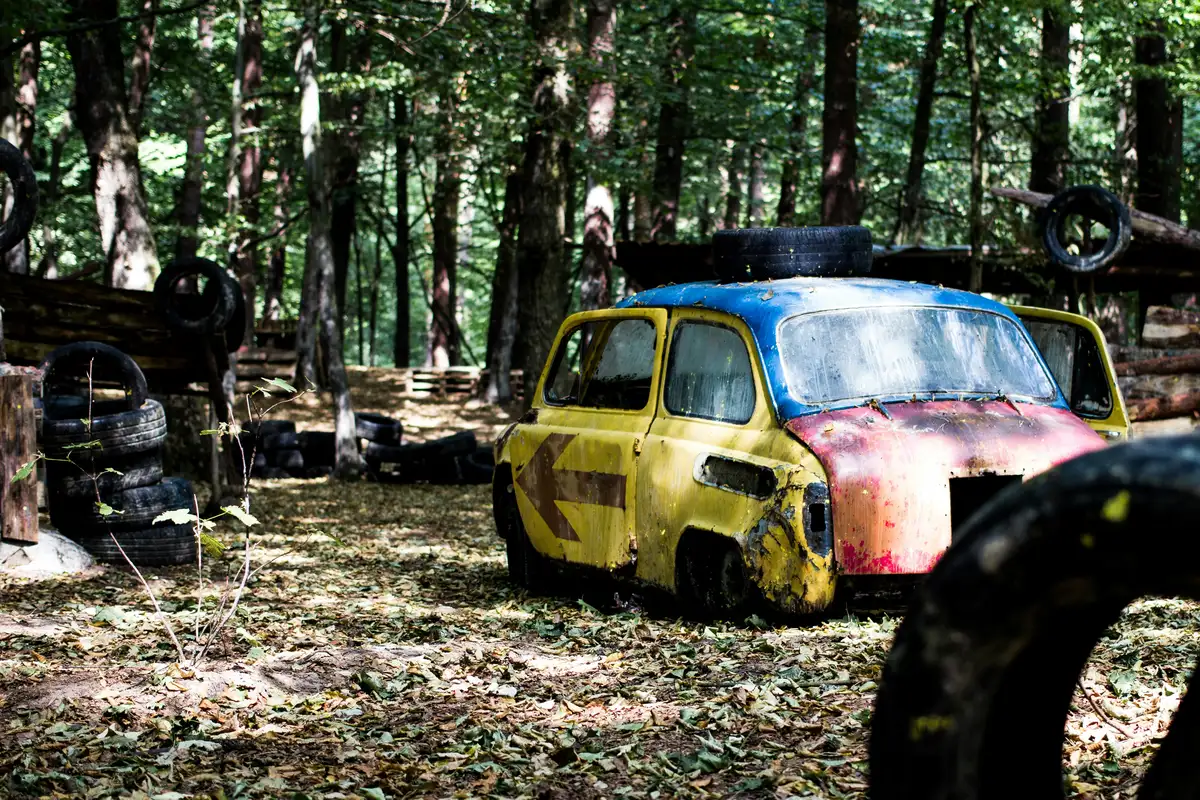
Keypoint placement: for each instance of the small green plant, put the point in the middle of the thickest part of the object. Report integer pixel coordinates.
(206, 630)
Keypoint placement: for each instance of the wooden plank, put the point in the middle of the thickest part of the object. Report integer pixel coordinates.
(1182, 404)
(18, 500)
(1160, 366)
(1171, 327)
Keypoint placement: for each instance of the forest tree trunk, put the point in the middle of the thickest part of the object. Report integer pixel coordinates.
(139, 65)
(975, 279)
(502, 322)
(250, 164)
(112, 145)
(48, 267)
(188, 213)
(598, 245)
(541, 259)
(320, 245)
(908, 226)
(24, 117)
(403, 134)
(789, 180)
(1159, 115)
(755, 212)
(443, 334)
(839, 148)
(733, 198)
(674, 123)
(1052, 116)
(277, 257)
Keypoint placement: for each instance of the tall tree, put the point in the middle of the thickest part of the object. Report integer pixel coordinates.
(1159, 126)
(674, 122)
(975, 281)
(250, 162)
(319, 253)
(187, 212)
(785, 212)
(400, 251)
(1052, 118)
(48, 267)
(350, 55)
(755, 199)
(101, 104)
(598, 245)
(9, 132)
(443, 327)
(143, 52)
(908, 225)
(272, 307)
(541, 257)
(839, 148)
(733, 196)
(502, 321)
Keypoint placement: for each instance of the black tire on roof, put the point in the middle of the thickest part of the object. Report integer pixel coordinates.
(162, 545)
(191, 315)
(25, 196)
(1095, 204)
(992, 646)
(755, 254)
(76, 358)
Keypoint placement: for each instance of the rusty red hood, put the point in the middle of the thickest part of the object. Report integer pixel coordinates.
(889, 479)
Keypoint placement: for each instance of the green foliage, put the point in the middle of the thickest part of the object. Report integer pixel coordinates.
(748, 56)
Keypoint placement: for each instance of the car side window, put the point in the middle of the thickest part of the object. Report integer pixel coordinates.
(709, 374)
(605, 364)
(1076, 364)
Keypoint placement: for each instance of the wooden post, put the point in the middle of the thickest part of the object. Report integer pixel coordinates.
(18, 501)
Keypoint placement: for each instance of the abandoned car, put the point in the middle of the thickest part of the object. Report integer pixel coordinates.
(748, 440)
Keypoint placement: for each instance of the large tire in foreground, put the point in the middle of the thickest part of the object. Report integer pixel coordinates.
(1092, 203)
(123, 435)
(746, 254)
(133, 509)
(975, 693)
(105, 360)
(23, 183)
(161, 546)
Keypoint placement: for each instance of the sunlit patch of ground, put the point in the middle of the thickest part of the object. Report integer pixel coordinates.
(382, 652)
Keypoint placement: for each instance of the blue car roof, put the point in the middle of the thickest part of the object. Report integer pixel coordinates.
(762, 305)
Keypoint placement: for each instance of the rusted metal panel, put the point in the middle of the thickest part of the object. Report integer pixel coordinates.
(889, 476)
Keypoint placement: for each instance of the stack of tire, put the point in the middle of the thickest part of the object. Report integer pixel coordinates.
(454, 459)
(108, 495)
(282, 452)
(198, 299)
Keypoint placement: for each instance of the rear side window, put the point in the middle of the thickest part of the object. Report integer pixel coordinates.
(709, 374)
(606, 364)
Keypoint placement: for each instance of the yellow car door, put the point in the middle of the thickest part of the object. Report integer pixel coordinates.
(575, 461)
(1077, 354)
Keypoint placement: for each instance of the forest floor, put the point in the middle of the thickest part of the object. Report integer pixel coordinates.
(381, 652)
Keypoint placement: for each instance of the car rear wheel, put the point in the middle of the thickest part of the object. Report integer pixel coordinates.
(711, 577)
(527, 568)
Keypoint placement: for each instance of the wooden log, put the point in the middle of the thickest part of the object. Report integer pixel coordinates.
(1171, 327)
(18, 436)
(1176, 405)
(1160, 366)
(1145, 225)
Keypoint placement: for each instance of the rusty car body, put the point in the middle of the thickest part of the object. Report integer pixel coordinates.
(764, 440)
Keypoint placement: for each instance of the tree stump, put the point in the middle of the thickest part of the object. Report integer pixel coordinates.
(18, 436)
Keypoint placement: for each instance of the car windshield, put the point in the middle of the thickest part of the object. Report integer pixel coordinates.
(861, 353)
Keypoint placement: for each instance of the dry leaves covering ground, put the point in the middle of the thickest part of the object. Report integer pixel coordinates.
(382, 653)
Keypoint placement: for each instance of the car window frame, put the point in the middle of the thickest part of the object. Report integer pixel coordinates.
(670, 357)
(614, 317)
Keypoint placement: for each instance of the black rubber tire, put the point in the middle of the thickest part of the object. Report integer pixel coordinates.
(527, 568)
(235, 329)
(711, 578)
(23, 183)
(287, 440)
(315, 473)
(458, 444)
(1096, 204)
(275, 474)
(271, 426)
(319, 448)
(757, 254)
(123, 435)
(290, 460)
(378, 428)
(77, 355)
(136, 508)
(160, 546)
(74, 483)
(990, 652)
(205, 318)
(474, 470)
